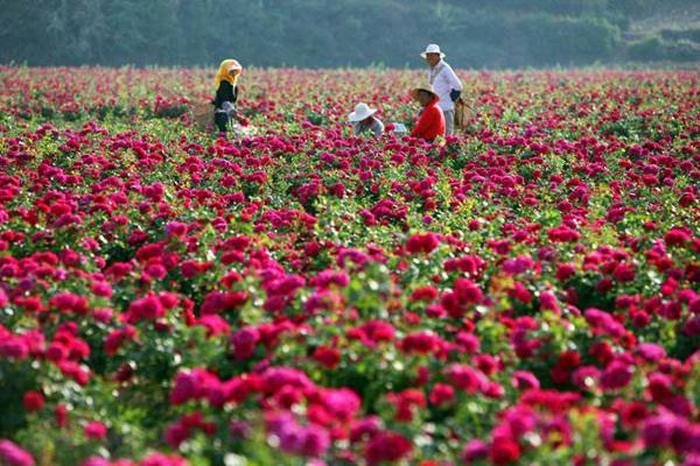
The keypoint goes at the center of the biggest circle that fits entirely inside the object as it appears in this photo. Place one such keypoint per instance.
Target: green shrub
(653, 48)
(550, 40)
(650, 48)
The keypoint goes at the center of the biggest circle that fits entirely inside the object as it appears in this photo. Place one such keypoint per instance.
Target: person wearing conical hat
(363, 120)
(431, 121)
(226, 82)
(445, 83)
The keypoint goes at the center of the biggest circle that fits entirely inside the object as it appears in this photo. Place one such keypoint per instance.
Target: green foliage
(326, 33)
(653, 48)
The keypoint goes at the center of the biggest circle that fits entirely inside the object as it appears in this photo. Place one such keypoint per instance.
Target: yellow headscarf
(224, 75)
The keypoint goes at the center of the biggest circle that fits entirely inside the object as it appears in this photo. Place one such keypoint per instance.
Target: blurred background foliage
(357, 33)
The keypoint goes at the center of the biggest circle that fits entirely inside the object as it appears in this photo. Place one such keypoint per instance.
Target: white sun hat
(361, 112)
(432, 48)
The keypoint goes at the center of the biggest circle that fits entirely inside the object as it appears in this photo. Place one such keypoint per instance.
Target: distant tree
(324, 33)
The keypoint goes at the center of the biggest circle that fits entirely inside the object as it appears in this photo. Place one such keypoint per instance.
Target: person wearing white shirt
(445, 83)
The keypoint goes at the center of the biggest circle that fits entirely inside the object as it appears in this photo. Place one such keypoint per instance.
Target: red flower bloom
(504, 451)
(441, 394)
(422, 243)
(33, 401)
(387, 446)
(327, 357)
(95, 430)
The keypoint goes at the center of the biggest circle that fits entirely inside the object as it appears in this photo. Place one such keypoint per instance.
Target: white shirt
(444, 80)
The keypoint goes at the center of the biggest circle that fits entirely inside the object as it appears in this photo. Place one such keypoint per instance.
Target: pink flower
(342, 403)
(176, 434)
(159, 459)
(586, 377)
(468, 293)
(420, 343)
(327, 357)
(565, 271)
(427, 293)
(616, 375)
(475, 450)
(466, 378)
(651, 352)
(423, 243)
(147, 308)
(676, 237)
(116, 339)
(563, 234)
(61, 415)
(214, 324)
(524, 380)
(624, 273)
(191, 385)
(175, 229)
(468, 342)
(314, 441)
(504, 451)
(17, 348)
(95, 430)
(244, 342)
(441, 394)
(656, 431)
(387, 447)
(13, 455)
(102, 289)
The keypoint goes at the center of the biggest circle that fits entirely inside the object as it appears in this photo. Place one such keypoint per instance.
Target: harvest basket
(203, 116)
(464, 115)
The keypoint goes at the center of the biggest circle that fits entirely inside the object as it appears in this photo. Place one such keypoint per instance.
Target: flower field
(528, 293)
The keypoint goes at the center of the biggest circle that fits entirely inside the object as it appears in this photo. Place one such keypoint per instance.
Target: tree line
(331, 33)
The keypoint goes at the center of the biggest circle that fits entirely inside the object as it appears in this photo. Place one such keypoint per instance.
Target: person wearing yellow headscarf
(226, 82)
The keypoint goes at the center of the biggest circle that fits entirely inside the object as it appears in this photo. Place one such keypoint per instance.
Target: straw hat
(362, 111)
(432, 48)
(425, 87)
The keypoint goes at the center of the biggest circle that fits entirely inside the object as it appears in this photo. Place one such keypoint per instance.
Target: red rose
(327, 357)
(504, 451)
(387, 446)
(442, 394)
(61, 415)
(422, 243)
(95, 430)
(33, 401)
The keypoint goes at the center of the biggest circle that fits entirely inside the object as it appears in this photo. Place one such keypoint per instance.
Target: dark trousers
(221, 121)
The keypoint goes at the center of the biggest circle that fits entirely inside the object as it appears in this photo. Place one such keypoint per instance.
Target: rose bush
(526, 293)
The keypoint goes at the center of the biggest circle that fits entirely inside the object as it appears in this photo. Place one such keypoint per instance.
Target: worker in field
(445, 83)
(364, 121)
(227, 95)
(431, 121)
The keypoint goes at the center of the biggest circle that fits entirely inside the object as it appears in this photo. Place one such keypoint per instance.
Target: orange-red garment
(431, 122)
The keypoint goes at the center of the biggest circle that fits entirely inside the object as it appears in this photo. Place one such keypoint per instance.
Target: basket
(463, 114)
(203, 116)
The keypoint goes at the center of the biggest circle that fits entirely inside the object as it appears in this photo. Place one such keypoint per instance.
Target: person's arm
(455, 85)
(454, 81)
(378, 128)
(422, 125)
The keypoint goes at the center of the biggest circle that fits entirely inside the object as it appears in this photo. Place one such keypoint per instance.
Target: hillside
(326, 33)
